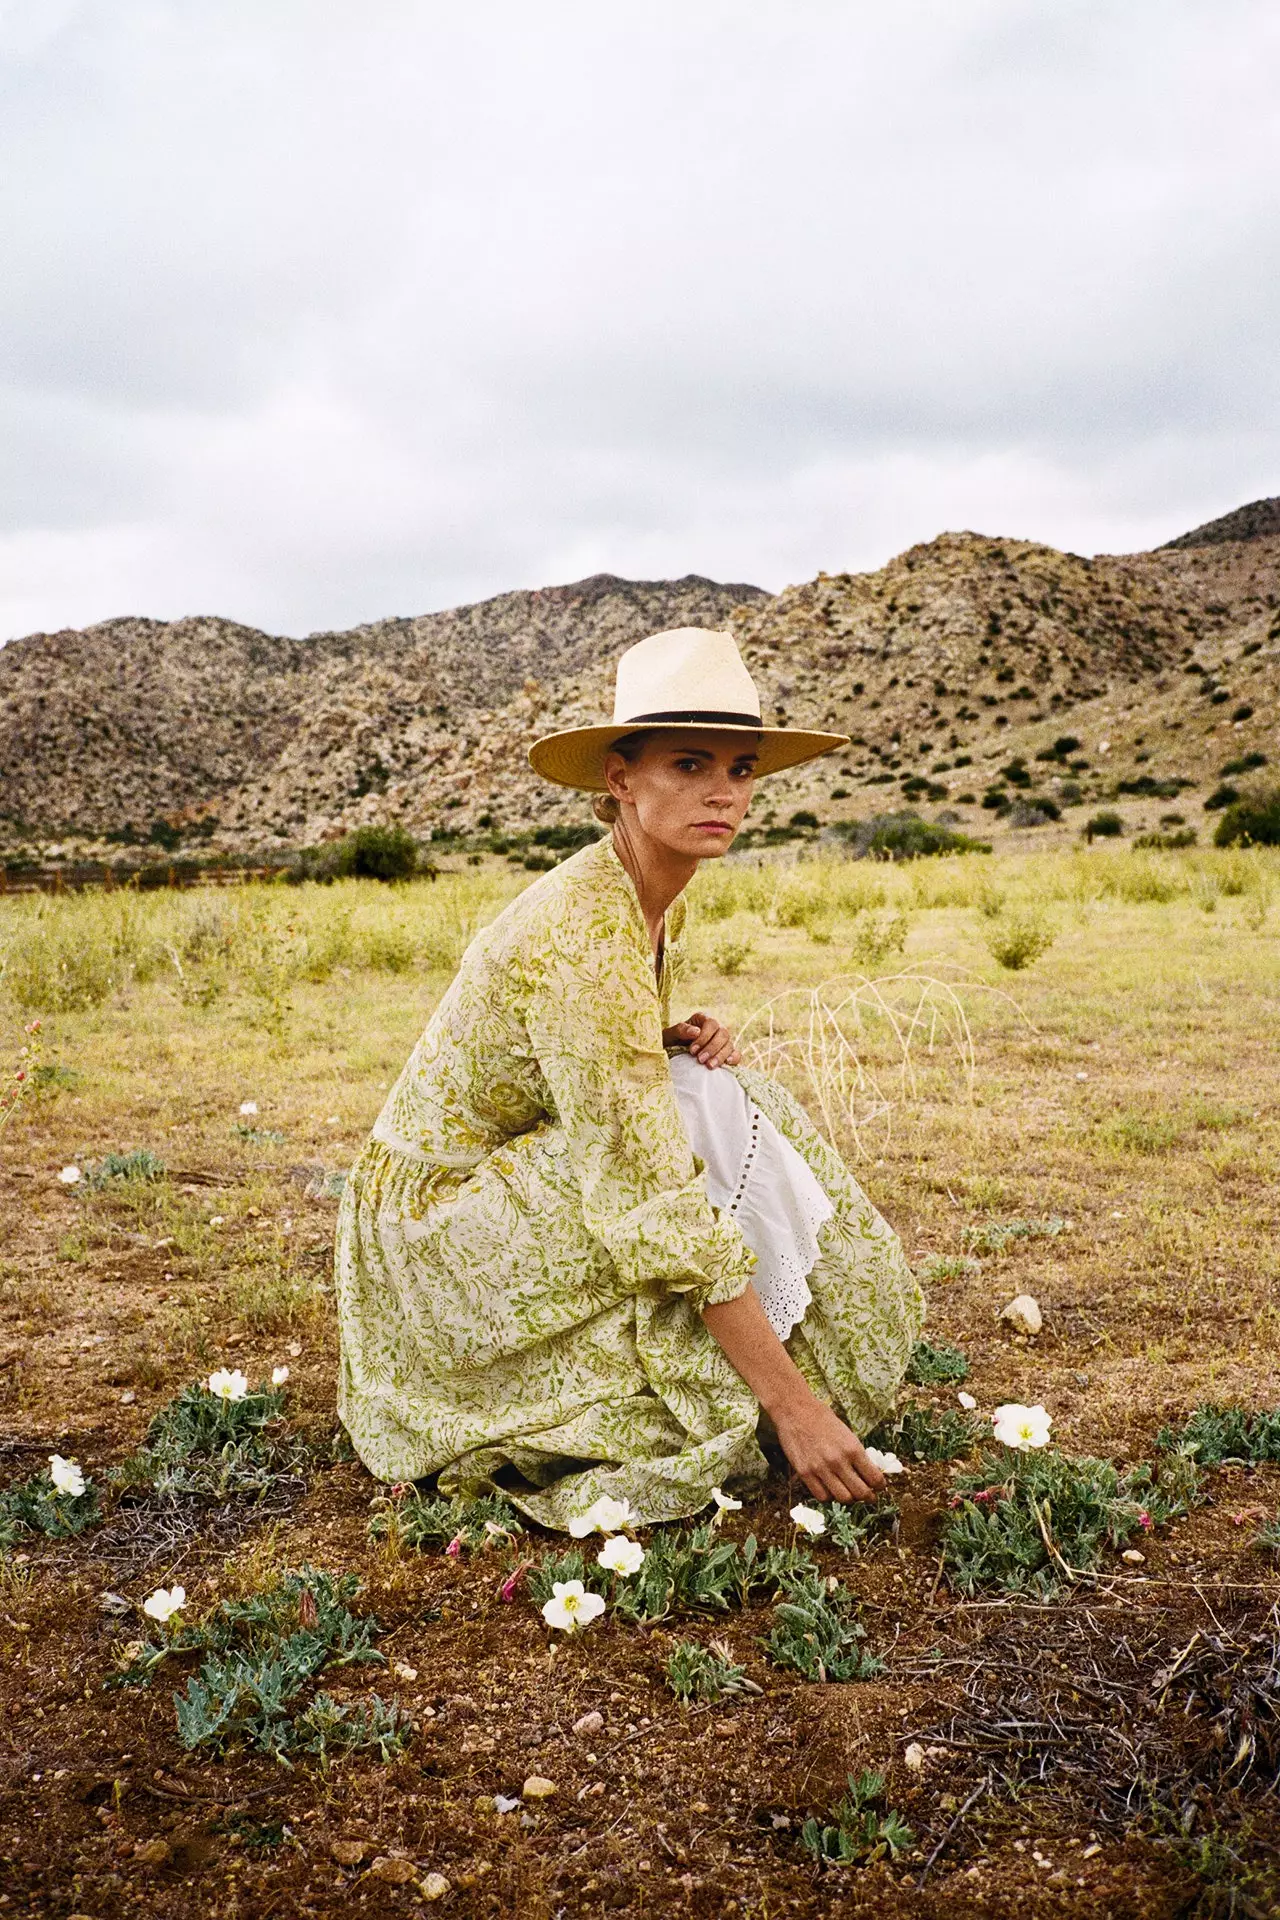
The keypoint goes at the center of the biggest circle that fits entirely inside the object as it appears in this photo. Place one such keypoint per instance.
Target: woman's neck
(657, 874)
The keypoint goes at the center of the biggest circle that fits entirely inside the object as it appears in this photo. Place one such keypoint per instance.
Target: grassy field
(1055, 1074)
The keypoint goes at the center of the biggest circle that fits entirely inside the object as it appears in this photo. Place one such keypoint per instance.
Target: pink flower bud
(1145, 1521)
(454, 1547)
(508, 1588)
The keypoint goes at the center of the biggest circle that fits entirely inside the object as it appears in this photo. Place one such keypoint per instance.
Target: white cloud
(312, 314)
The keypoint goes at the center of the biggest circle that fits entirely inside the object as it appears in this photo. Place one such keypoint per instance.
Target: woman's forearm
(831, 1460)
(753, 1349)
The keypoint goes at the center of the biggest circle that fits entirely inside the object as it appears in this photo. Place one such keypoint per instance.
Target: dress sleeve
(595, 1024)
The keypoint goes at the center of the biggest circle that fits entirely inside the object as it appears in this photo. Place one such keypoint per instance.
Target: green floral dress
(525, 1242)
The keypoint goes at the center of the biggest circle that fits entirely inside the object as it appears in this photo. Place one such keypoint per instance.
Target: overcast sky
(316, 312)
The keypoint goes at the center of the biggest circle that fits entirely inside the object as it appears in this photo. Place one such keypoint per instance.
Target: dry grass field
(1097, 1126)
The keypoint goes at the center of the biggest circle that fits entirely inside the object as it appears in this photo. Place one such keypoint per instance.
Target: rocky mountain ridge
(958, 659)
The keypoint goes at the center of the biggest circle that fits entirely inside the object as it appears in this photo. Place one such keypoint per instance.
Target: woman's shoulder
(578, 904)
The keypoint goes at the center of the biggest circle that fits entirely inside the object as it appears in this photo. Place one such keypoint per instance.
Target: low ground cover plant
(423, 1520)
(695, 1672)
(929, 1433)
(1031, 1523)
(816, 1635)
(58, 1503)
(1213, 1435)
(858, 1831)
(994, 1236)
(261, 1654)
(936, 1365)
(209, 1444)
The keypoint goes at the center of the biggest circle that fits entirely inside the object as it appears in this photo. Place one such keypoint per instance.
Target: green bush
(1103, 826)
(1251, 822)
(925, 1433)
(1019, 941)
(36, 1506)
(375, 853)
(905, 836)
(422, 1520)
(1223, 796)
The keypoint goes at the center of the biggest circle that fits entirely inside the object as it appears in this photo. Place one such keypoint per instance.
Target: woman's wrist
(787, 1399)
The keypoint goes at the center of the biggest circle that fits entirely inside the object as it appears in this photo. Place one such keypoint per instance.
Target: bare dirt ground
(1113, 1751)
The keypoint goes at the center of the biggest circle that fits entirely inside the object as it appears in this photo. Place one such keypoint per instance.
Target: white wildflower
(279, 1375)
(621, 1555)
(71, 1176)
(1022, 1427)
(605, 1515)
(66, 1476)
(887, 1462)
(248, 1108)
(723, 1502)
(968, 1402)
(165, 1602)
(571, 1607)
(809, 1520)
(228, 1383)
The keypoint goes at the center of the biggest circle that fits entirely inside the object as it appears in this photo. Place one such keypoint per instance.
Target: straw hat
(691, 679)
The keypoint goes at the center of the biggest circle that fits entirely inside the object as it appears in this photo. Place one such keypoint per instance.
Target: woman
(537, 1281)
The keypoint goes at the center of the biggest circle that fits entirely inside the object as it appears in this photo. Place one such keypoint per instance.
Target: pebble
(403, 1672)
(434, 1886)
(538, 1788)
(590, 1723)
(397, 1872)
(1023, 1314)
(1134, 1558)
(348, 1853)
(153, 1853)
(914, 1757)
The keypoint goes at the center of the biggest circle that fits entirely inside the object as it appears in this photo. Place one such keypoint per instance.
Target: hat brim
(576, 759)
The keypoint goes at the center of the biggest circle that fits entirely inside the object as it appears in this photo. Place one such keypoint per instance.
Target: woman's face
(690, 791)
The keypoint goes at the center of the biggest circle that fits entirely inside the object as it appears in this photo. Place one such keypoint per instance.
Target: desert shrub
(376, 853)
(948, 1266)
(927, 1433)
(1165, 842)
(1103, 826)
(1029, 1522)
(857, 1831)
(905, 836)
(691, 1570)
(1251, 822)
(1268, 1540)
(694, 1672)
(732, 953)
(1222, 796)
(203, 1447)
(936, 1366)
(1019, 941)
(1214, 1434)
(261, 1653)
(49, 966)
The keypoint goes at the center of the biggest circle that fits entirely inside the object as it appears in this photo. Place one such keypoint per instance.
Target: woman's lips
(712, 826)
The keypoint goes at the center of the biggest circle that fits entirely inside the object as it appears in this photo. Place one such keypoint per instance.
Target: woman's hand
(706, 1039)
(829, 1458)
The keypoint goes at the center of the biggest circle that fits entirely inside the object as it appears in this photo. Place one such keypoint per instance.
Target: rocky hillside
(966, 666)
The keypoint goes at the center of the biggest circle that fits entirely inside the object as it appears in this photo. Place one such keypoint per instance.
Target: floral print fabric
(525, 1243)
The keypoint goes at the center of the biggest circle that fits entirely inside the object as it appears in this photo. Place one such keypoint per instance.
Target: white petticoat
(759, 1179)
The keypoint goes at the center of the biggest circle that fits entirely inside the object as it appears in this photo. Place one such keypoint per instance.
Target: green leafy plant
(948, 1266)
(936, 1366)
(853, 1528)
(36, 1506)
(706, 1673)
(141, 1166)
(858, 1832)
(1252, 821)
(930, 1433)
(421, 1520)
(1103, 826)
(262, 1652)
(1268, 1540)
(1032, 1522)
(815, 1635)
(1214, 1434)
(690, 1570)
(203, 1446)
(994, 1236)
